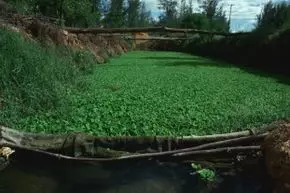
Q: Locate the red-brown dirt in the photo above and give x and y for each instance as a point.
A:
(33, 28)
(277, 156)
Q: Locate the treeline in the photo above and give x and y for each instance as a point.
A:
(88, 13)
(128, 13)
(266, 48)
(210, 16)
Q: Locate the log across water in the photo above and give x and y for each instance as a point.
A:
(83, 147)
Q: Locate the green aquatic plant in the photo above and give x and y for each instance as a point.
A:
(141, 94)
(205, 174)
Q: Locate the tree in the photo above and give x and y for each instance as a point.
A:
(116, 15)
(195, 21)
(84, 13)
(210, 8)
(220, 21)
(215, 14)
(145, 18)
(75, 13)
(104, 7)
(186, 10)
(169, 17)
(190, 6)
(133, 13)
(274, 17)
(183, 9)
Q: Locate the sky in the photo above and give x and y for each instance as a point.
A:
(244, 12)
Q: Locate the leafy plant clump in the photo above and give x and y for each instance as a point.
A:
(207, 175)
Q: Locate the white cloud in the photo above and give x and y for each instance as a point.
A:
(152, 5)
(244, 12)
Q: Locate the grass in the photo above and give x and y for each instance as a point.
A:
(166, 93)
(36, 79)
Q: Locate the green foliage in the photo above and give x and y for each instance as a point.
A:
(195, 21)
(75, 13)
(213, 17)
(35, 79)
(169, 16)
(81, 13)
(145, 18)
(133, 13)
(210, 8)
(273, 17)
(23, 6)
(205, 174)
(165, 93)
(265, 49)
(126, 13)
(116, 15)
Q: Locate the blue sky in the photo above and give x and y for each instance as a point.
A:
(244, 12)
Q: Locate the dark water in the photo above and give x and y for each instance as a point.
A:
(35, 174)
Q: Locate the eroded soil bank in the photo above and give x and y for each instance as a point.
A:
(38, 29)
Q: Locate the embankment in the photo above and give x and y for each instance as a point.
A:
(41, 64)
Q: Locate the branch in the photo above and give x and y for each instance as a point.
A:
(219, 137)
(228, 142)
(208, 145)
(141, 156)
(211, 164)
(220, 150)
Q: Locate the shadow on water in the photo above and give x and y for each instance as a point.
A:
(200, 61)
(37, 173)
(169, 58)
(195, 63)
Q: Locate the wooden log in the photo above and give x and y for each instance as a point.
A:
(158, 38)
(79, 147)
(150, 29)
(122, 143)
(113, 30)
(146, 38)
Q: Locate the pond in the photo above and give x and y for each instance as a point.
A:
(30, 173)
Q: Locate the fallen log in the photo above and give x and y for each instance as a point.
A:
(158, 38)
(123, 143)
(150, 29)
(85, 148)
